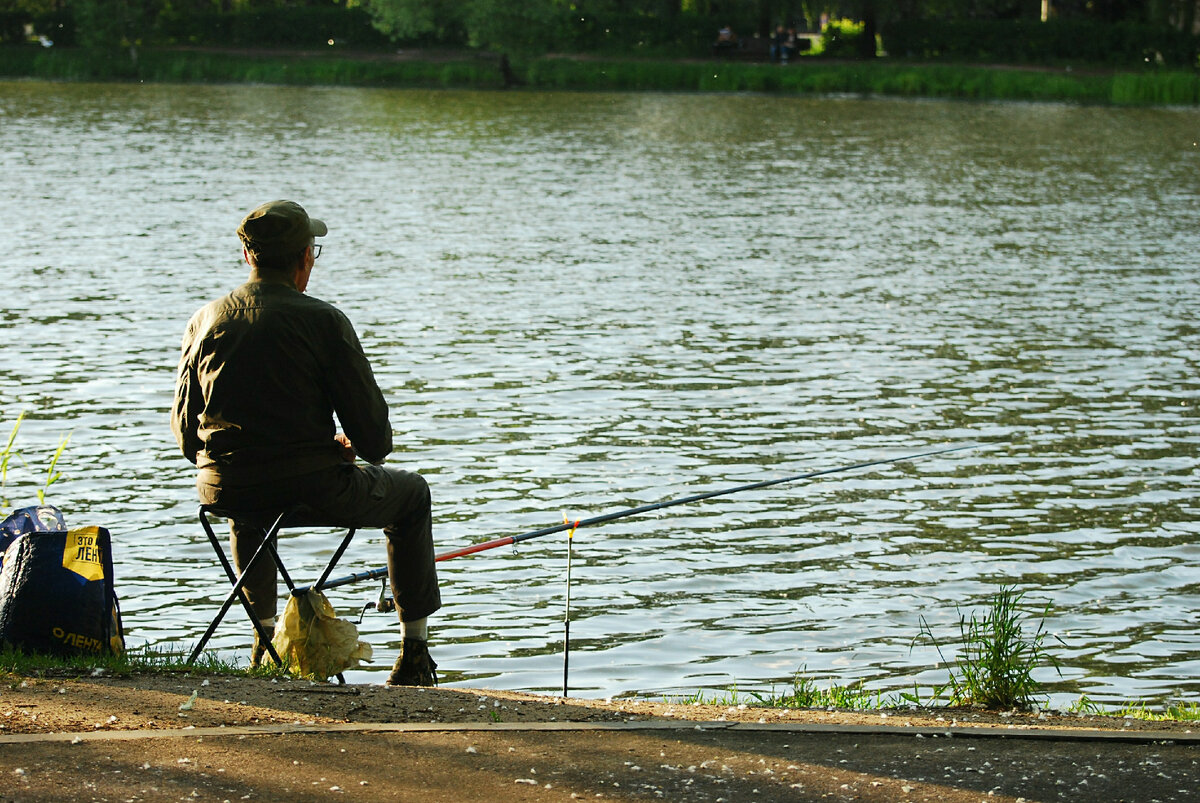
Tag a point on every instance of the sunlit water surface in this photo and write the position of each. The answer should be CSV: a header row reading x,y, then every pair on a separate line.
x,y
579,303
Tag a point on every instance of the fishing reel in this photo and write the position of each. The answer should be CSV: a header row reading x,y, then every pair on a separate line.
x,y
384,604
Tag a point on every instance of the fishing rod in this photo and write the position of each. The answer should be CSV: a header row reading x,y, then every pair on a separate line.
x,y
375,574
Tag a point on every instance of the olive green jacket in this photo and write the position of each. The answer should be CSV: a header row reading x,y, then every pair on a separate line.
x,y
262,373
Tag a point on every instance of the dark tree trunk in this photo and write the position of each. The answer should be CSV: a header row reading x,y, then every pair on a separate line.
x,y
866,44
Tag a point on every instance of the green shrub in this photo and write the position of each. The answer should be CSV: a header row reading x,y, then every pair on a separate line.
x,y
12,27
57,26
614,32
1024,41
282,26
841,39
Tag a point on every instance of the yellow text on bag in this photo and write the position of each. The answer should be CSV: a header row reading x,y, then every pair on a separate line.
x,y
82,553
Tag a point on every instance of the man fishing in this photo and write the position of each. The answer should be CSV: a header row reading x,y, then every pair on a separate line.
x,y
262,374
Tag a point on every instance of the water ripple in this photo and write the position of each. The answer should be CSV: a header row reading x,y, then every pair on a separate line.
x,y
581,303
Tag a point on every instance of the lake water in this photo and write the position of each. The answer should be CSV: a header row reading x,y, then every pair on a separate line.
x,y
579,303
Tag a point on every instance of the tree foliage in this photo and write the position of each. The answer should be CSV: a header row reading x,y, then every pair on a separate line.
x,y
114,24
531,27
438,20
534,26
31,7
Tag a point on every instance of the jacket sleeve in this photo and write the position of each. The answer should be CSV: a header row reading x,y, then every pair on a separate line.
x,y
189,403
357,399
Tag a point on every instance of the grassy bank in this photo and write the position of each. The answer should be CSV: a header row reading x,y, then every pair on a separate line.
x,y
992,668
148,661
144,660
885,78
807,693
163,66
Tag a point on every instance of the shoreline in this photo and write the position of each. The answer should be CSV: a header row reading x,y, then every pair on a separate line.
x,y
70,702
410,69
240,738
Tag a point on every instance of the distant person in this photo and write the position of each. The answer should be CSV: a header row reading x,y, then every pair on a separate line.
x,y
726,41
262,374
779,45
791,44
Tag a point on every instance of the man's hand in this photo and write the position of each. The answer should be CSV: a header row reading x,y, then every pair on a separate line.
x,y
348,453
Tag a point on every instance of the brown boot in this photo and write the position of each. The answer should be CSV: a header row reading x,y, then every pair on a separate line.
x,y
414,667
259,651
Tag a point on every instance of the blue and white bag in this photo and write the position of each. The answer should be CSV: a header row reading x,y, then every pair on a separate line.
x,y
57,590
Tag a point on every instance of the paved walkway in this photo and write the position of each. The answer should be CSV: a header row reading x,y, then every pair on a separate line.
x,y
627,761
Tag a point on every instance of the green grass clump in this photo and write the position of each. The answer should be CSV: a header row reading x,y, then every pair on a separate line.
x,y
994,669
148,659
805,693
822,78
1180,711
175,66
996,660
1161,88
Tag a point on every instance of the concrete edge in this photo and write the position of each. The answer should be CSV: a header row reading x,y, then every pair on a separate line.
x,y
238,731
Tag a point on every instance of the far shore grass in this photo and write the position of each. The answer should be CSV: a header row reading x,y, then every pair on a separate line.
x,y
883,77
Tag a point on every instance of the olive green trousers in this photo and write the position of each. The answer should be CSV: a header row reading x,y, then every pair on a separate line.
x,y
359,496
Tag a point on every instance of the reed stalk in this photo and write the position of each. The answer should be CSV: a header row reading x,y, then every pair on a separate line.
x,y
7,455
53,475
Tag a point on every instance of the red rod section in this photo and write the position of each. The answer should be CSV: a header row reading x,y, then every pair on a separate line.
x,y
458,553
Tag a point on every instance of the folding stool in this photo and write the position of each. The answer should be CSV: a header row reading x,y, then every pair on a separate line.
x,y
271,522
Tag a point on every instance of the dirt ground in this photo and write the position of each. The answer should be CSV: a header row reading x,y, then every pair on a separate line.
x,y
173,737
153,701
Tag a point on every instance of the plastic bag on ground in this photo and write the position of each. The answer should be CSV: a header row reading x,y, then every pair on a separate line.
x,y
313,641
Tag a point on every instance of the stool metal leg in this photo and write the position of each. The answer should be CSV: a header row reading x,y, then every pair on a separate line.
x,y
337,555
283,572
268,546
239,581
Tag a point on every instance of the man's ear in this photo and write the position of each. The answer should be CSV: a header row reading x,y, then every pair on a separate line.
x,y
303,270
246,256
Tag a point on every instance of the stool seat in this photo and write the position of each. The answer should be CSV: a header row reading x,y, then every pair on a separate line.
x,y
271,522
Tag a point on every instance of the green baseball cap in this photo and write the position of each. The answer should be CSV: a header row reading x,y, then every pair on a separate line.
x,y
279,228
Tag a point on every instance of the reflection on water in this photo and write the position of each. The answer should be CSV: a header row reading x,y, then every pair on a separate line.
x,y
578,303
